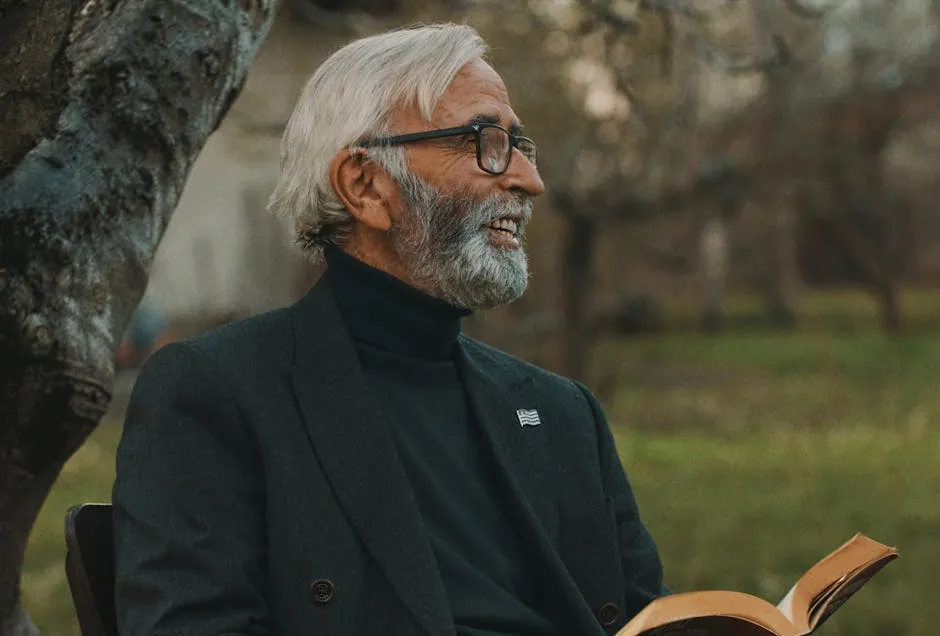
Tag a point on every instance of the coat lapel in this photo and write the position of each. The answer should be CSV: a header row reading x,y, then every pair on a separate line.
x,y
358,454
522,457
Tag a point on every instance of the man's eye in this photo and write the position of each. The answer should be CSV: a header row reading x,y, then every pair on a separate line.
x,y
463,141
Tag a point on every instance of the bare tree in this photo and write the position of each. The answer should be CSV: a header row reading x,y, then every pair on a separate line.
x,y
814,144
779,144
839,82
628,107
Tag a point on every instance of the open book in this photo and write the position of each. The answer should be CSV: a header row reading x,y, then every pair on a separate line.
x,y
814,598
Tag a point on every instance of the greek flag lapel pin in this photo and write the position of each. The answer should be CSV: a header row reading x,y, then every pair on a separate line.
x,y
528,417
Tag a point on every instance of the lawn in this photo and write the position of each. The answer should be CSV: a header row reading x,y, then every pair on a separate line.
x,y
752,514
752,456
87,477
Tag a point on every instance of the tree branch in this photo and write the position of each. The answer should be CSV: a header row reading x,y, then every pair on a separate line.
x,y
776,55
150,80
687,8
796,7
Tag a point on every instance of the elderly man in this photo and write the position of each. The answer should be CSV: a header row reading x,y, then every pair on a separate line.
x,y
352,464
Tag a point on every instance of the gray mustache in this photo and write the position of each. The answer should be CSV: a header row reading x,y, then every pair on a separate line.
x,y
494,209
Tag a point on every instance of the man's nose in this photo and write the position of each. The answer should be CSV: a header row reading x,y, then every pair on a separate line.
x,y
522,176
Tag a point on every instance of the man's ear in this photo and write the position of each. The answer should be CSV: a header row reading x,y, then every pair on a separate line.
x,y
364,188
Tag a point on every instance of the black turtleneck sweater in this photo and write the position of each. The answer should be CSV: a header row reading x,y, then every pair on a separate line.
x,y
406,341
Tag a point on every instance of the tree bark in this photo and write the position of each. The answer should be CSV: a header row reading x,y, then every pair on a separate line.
x,y
105,105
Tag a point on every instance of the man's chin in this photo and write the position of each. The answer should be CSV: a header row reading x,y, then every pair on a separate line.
x,y
491,294
491,274
502,299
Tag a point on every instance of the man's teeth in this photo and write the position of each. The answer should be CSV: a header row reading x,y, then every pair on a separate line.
x,y
506,224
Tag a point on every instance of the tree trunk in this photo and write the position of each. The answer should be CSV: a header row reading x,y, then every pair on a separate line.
x,y
783,291
889,296
714,253
105,106
577,245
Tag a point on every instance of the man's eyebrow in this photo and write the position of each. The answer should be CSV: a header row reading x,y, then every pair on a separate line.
x,y
515,127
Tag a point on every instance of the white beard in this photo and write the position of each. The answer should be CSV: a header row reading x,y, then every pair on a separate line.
x,y
444,242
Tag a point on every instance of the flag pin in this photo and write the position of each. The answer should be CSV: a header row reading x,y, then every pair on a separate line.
x,y
528,417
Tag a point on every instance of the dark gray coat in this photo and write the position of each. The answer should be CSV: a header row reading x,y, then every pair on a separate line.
x,y
259,492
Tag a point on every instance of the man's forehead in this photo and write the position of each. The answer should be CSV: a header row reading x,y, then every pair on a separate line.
x,y
477,94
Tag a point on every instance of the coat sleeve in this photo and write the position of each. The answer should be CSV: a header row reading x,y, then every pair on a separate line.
x,y
188,506
642,568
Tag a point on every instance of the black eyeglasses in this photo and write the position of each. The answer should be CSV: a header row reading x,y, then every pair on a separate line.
x,y
494,144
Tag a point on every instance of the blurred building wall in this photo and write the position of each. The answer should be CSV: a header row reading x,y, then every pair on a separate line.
x,y
223,255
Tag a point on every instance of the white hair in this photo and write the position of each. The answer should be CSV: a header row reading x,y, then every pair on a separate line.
x,y
354,94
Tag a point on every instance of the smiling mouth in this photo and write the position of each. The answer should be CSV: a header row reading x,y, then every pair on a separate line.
x,y
506,230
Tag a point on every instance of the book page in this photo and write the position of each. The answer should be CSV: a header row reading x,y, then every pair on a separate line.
x,y
727,612
814,598
798,616
828,575
853,583
786,605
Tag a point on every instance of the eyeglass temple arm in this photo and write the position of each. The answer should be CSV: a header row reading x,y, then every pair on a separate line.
x,y
418,136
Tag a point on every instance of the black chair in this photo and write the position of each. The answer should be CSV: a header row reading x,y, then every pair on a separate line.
x,y
89,567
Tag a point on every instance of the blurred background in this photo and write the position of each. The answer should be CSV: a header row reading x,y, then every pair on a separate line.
x,y
738,251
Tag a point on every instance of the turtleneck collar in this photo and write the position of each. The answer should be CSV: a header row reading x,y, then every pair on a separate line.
x,y
387,313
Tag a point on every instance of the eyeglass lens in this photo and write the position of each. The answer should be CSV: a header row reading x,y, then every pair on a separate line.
x,y
495,150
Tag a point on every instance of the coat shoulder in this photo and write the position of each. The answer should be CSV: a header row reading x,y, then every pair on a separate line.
x,y
516,370
267,336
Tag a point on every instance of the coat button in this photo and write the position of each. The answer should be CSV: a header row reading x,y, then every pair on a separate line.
x,y
607,614
322,590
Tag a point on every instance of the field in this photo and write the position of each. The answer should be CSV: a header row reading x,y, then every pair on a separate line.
x,y
752,456
780,449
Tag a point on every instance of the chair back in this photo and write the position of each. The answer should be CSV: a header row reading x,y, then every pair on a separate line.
x,y
89,567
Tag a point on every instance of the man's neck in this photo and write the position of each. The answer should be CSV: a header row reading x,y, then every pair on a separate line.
x,y
368,247
383,311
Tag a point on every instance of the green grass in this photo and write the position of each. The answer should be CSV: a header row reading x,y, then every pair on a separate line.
x,y
754,513
752,456
841,309
86,477
758,382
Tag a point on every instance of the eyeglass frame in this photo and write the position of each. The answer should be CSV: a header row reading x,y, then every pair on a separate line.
x,y
475,129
